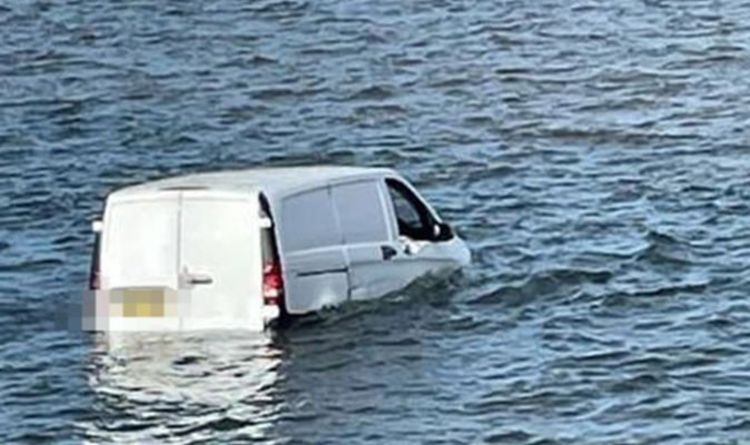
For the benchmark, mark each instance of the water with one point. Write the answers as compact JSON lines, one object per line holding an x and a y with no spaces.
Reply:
{"x":593,"y":154}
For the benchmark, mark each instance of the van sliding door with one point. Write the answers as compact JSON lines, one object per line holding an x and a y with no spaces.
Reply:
{"x":315,"y":268}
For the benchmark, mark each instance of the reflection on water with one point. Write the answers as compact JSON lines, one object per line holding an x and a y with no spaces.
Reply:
{"x":151,"y":386}
{"x":321,"y":379}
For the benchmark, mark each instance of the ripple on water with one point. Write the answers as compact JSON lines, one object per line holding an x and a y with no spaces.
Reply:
{"x":593,"y":156}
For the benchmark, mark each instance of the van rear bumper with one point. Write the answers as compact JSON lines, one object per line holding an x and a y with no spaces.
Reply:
{"x":133,"y":324}
{"x":169,"y":324}
{"x":99,"y":314}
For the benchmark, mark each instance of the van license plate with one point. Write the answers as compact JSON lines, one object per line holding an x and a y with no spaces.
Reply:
{"x":143,"y":303}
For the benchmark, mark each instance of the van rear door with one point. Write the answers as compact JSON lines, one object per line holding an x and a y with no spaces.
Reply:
{"x":188,"y":259}
{"x":220,"y":261}
{"x":139,"y":262}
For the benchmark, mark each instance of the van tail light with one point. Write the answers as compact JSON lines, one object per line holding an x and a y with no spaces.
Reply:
{"x":273,"y":280}
{"x":273,"y":284}
{"x":94,"y":281}
{"x":94,"y":271}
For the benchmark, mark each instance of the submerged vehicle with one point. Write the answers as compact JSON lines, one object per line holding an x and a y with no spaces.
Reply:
{"x":239,"y":249}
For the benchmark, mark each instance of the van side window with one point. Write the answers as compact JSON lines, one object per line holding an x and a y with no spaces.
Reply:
{"x":413,"y":218}
{"x":360,"y":212}
{"x":308,"y":222}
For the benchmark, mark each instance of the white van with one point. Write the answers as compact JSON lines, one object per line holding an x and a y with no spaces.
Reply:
{"x":238,"y":249}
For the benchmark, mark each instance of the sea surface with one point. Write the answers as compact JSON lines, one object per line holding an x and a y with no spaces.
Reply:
{"x":593,"y":154}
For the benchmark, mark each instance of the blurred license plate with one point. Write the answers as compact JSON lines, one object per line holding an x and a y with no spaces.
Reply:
{"x":143,"y":303}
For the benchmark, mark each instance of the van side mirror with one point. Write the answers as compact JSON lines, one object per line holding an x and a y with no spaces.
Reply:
{"x":442,"y":232}
{"x":96,"y":226}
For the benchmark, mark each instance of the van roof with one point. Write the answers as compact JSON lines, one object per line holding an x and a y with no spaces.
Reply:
{"x":276,"y":181}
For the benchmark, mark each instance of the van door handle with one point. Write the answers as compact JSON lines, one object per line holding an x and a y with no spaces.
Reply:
{"x":388,"y":252}
{"x":196,"y":279}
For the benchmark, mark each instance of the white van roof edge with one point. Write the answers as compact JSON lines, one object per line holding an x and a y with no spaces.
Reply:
{"x":274,"y":181}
